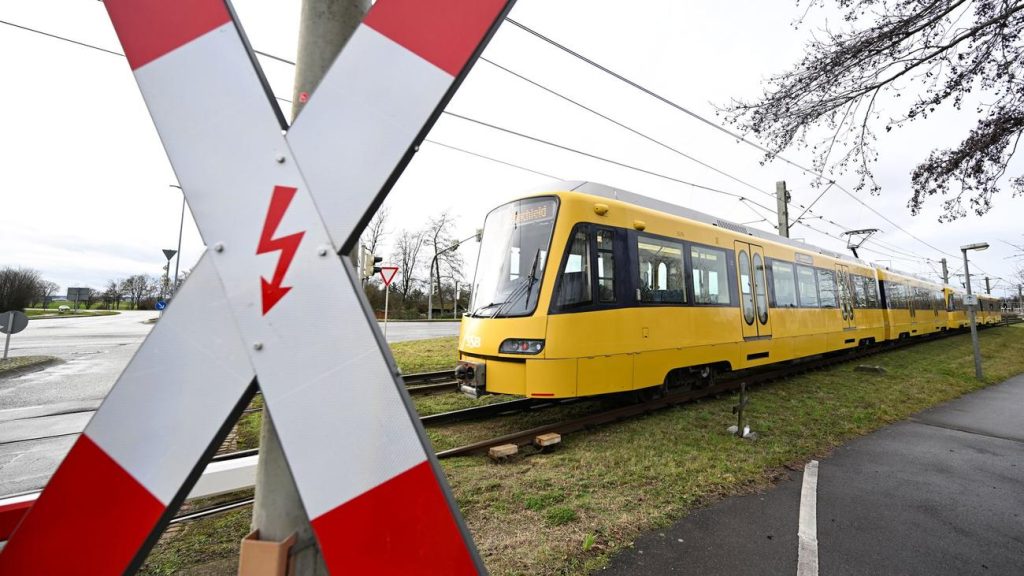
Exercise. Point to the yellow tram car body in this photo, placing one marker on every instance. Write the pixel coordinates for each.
(583, 289)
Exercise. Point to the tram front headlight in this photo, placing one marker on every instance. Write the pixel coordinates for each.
(521, 346)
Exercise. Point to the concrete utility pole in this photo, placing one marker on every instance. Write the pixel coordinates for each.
(782, 201)
(988, 288)
(945, 272)
(971, 308)
(325, 26)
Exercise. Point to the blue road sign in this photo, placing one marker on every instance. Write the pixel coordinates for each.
(160, 304)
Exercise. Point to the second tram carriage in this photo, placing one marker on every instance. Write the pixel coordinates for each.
(585, 289)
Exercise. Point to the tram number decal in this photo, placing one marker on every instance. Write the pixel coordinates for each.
(471, 342)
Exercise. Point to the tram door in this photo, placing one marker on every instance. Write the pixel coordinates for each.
(846, 303)
(750, 267)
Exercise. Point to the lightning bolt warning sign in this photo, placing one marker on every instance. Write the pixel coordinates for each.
(273, 291)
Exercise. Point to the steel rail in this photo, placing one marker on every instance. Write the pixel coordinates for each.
(212, 510)
(496, 409)
(526, 437)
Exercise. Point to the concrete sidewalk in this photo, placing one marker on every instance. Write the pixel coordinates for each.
(939, 494)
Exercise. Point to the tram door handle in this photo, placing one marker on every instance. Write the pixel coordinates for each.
(645, 332)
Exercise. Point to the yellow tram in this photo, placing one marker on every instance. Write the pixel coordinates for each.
(585, 289)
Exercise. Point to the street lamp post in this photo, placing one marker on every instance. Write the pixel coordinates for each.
(430, 281)
(181, 226)
(972, 306)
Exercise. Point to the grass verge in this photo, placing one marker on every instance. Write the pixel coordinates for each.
(16, 365)
(568, 511)
(49, 314)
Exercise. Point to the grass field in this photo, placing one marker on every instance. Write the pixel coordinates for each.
(18, 364)
(566, 511)
(38, 314)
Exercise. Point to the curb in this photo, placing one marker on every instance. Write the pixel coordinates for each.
(35, 367)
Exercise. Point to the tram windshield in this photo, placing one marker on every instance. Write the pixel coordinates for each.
(513, 251)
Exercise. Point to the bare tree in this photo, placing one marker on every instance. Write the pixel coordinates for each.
(46, 291)
(376, 230)
(112, 295)
(830, 100)
(138, 287)
(445, 258)
(18, 287)
(406, 256)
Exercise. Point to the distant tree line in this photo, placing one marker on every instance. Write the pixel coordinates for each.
(22, 288)
(416, 252)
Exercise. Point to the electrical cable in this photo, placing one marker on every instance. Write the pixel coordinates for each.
(599, 158)
(464, 151)
(112, 52)
(736, 136)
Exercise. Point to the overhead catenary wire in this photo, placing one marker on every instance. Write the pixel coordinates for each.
(807, 209)
(115, 53)
(738, 137)
(650, 172)
(625, 126)
(599, 158)
(492, 159)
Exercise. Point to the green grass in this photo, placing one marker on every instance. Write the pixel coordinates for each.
(426, 355)
(566, 511)
(603, 488)
(17, 364)
(39, 314)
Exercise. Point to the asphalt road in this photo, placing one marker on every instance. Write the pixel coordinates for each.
(940, 494)
(41, 413)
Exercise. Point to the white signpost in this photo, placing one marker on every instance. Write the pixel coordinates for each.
(272, 306)
(387, 274)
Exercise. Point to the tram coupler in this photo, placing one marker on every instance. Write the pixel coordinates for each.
(472, 378)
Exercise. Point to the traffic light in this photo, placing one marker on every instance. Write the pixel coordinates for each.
(370, 263)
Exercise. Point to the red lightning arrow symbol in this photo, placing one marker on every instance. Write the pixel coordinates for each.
(273, 291)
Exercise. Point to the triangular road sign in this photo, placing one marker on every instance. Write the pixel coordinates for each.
(387, 273)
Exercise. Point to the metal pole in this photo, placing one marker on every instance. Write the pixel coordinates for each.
(324, 27)
(181, 227)
(988, 288)
(945, 272)
(455, 308)
(974, 325)
(430, 289)
(386, 293)
(10, 328)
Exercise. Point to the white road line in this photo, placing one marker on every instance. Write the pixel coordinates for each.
(807, 560)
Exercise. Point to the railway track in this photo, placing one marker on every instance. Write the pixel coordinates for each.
(733, 382)
(441, 381)
(430, 382)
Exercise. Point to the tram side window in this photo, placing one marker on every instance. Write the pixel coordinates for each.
(808, 287)
(897, 296)
(710, 275)
(784, 284)
(860, 294)
(574, 284)
(661, 271)
(870, 291)
(827, 288)
(605, 266)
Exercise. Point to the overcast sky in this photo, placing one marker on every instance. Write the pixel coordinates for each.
(86, 184)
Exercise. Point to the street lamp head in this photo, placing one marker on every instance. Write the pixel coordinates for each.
(976, 246)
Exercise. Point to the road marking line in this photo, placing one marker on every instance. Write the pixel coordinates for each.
(807, 560)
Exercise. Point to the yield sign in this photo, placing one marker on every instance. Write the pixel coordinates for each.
(279, 203)
(169, 253)
(387, 273)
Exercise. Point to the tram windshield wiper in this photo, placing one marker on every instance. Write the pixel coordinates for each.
(523, 288)
(532, 278)
(485, 307)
